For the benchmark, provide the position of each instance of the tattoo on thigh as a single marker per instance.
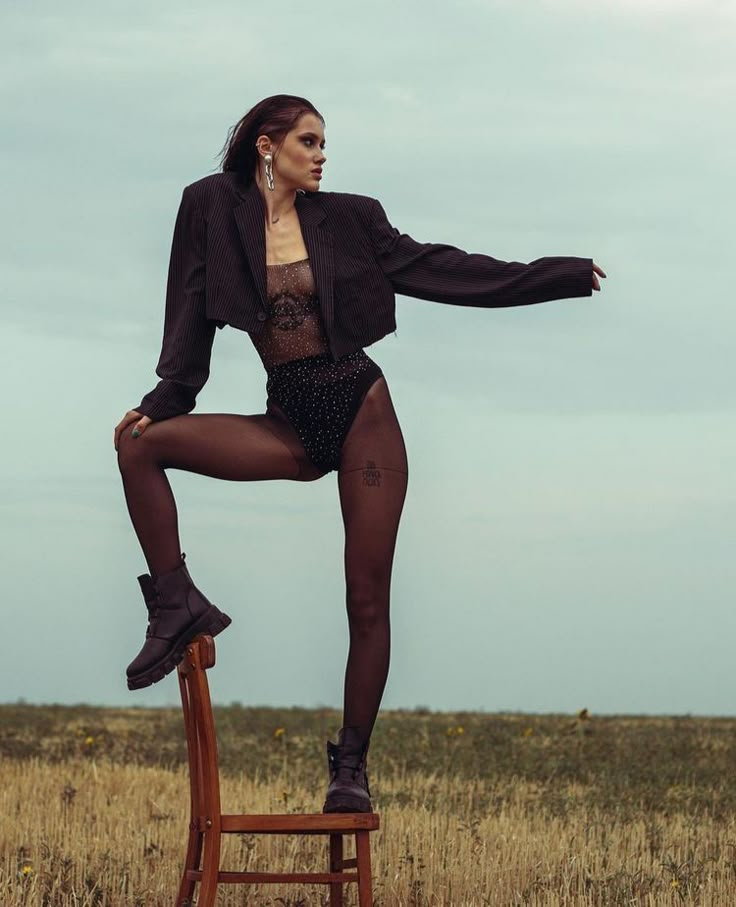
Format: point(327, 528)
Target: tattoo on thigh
point(371, 474)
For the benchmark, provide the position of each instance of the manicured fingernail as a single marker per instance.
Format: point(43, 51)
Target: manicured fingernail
point(135, 433)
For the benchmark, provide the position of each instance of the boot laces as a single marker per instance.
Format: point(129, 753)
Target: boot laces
point(154, 613)
point(336, 763)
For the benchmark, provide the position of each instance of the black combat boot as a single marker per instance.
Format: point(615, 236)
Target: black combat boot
point(177, 612)
point(348, 790)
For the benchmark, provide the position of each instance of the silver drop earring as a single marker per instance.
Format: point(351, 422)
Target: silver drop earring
point(269, 171)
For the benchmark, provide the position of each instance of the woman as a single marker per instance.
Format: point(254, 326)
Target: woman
point(311, 277)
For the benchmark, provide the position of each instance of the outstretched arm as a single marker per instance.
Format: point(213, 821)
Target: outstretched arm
point(184, 363)
point(444, 273)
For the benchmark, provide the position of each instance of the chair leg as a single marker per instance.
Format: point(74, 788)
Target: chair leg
point(210, 869)
point(336, 858)
point(363, 854)
point(191, 861)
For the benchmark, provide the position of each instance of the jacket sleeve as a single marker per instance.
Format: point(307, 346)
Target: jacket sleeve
point(184, 363)
point(444, 273)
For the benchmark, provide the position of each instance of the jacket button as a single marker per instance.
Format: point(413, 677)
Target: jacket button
point(261, 316)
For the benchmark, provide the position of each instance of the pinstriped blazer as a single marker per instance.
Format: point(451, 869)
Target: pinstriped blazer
point(217, 276)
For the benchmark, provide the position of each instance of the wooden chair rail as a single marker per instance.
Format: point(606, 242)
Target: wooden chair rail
point(319, 878)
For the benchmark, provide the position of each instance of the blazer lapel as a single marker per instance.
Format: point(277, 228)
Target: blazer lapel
point(250, 219)
point(319, 245)
point(249, 216)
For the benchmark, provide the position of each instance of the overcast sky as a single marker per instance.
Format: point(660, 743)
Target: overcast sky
point(568, 534)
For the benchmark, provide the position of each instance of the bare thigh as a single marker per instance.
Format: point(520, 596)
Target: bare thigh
point(375, 435)
point(225, 446)
point(372, 482)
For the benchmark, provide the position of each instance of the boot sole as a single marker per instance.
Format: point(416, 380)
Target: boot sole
point(344, 803)
point(213, 621)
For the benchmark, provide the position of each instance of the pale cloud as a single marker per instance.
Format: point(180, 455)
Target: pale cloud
point(645, 9)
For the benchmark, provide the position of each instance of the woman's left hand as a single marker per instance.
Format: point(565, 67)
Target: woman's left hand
point(597, 270)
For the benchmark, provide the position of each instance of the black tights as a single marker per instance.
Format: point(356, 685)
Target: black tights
point(372, 483)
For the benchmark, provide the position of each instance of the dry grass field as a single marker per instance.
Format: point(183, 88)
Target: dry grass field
point(476, 809)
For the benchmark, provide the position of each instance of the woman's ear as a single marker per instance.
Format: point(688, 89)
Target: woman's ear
point(263, 145)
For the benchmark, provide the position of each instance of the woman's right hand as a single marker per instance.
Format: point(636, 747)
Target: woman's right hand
point(131, 416)
point(597, 269)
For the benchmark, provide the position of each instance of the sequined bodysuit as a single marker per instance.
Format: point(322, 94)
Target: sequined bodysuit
point(319, 396)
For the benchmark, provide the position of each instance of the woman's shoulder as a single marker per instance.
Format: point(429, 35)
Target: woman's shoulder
point(342, 201)
point(215, 184)
point(219, 186)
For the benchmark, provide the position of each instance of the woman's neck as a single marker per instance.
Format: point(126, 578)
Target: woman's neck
point(278, 203)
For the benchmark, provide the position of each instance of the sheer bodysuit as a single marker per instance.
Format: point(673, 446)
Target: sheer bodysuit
point(318, 395)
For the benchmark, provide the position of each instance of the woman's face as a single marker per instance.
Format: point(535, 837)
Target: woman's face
point(300, 155)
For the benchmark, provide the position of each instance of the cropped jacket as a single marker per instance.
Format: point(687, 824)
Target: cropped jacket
point(217, 277)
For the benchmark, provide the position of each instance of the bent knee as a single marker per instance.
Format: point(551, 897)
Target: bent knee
point(132, 450)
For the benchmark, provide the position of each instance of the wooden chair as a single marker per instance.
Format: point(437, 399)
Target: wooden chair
point(207, 824)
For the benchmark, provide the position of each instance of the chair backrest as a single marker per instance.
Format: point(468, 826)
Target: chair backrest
point(199, 725)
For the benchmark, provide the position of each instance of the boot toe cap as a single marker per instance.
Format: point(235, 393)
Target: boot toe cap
point(347, 796)
point(153, 651)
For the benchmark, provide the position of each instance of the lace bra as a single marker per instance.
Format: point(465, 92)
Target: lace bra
point(293, 327)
